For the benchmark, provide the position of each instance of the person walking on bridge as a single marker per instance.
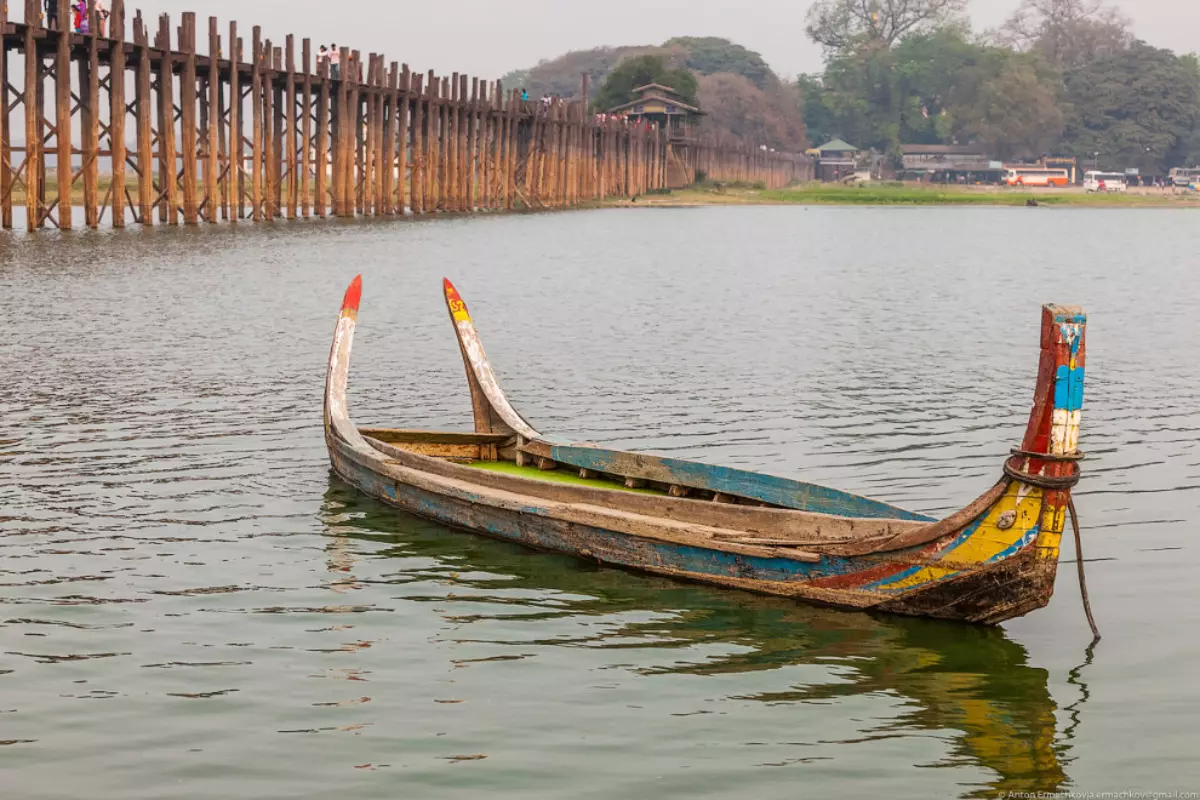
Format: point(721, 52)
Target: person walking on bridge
point(335, 68)
point(52, 13)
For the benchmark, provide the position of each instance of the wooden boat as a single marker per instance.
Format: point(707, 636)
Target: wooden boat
point(993, 560)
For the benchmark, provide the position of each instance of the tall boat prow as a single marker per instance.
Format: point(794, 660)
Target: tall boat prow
point(994, 559)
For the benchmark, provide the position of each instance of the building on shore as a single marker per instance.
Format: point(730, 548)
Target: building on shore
point(663, 105)
point(950, 163)
point(836, 160)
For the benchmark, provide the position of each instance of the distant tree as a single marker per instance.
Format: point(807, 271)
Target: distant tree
point(937, 87)
point(709, 55)
point(935, 72)
point(1068, 33)
point(563, 76)
point(1187, 152)
point(1014, 112)
point(638, 71)
point(1138, 108)
point(842, 25)
point(737, 108)
point(820, 122)
point(861, 96)
point(518, 78)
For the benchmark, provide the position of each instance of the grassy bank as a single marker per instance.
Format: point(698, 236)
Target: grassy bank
point(885, 194)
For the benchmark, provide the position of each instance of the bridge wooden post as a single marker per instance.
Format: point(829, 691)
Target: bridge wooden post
point(402, 128)
point(373, 186)
point(354, 142)
point(389, 92)
point(62, 128)
point(6, 178)
point(116, 112)
point(256, 144)
point(290, 120)
point(271, 130)
point(432, 132)
point(89, 120)
point(168, 208)
point(188, 141)
point(449, 178)
point(305, 117)
point(484, 143)
point(214, 117)
point(472, 134)
point(322, 154)
point(145, 144)
point(416, 178)
point(235, 189)
point(336, 121)
point(365, 198)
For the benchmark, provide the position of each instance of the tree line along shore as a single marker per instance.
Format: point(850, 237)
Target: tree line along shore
point(1063, 78)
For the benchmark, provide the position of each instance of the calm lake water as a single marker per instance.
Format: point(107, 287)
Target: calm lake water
point(192, 606)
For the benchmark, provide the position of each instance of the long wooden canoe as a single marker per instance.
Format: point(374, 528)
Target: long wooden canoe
point(993, 560)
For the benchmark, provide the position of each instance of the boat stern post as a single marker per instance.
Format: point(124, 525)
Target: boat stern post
point(337, 412)
point(1054, 422)
point(491, 409)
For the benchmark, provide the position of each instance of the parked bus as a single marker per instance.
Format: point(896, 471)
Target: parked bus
point(1104, 182)
point(1035, 176)
point(1180, 176)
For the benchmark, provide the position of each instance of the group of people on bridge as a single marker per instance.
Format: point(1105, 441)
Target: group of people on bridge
point(77, 16)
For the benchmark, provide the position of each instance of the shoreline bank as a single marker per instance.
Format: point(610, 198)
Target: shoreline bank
point(717, 194)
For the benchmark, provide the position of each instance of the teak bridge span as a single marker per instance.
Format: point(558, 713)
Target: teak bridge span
point(219, 137)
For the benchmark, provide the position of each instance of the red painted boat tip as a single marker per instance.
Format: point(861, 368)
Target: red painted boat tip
point(454, 301)
point(353, 294)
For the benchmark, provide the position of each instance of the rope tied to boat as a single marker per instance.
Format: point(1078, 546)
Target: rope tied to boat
point(1058, 483)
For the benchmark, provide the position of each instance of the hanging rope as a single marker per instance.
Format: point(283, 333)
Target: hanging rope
point(1059, 483)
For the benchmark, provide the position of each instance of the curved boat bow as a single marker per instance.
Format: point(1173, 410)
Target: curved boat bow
point(994, 559)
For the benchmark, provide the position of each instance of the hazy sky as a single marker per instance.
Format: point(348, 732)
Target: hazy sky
point(486, 38)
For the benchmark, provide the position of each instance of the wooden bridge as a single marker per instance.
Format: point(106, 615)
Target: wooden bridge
point(197, 137)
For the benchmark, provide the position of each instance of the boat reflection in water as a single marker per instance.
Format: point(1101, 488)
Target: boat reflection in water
point(971, 680)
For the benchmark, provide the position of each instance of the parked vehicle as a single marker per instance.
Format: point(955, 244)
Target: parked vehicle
point(1183, 176)
point(1104, 182)
point(1036, 176)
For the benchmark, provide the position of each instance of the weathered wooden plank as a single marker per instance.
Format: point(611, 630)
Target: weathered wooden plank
point(771, 489)
point(402, 436)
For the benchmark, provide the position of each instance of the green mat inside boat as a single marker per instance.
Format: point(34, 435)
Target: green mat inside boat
point(554, 476)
